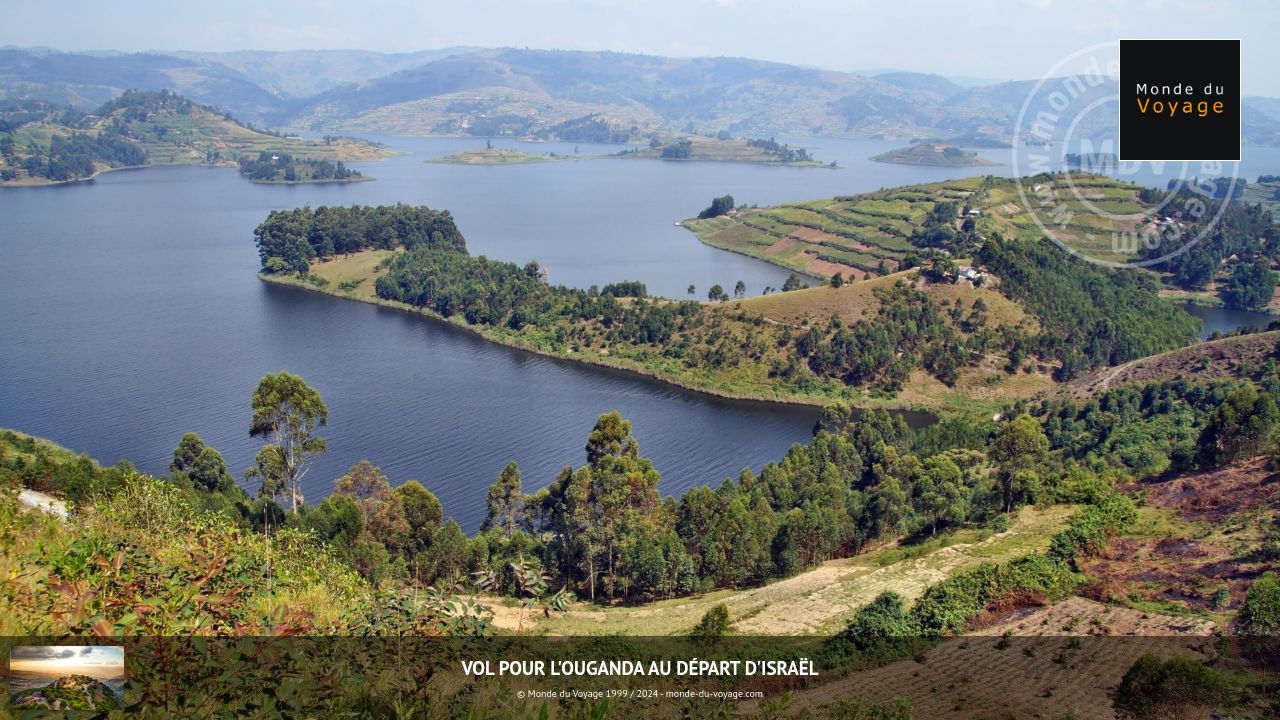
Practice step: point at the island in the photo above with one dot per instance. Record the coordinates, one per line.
(724, 148)
(717, 148)
(284, 169)
(930, 153)
(1093, 161)
(491, 155)
(43, 143)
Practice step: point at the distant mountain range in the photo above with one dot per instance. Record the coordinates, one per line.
(529, 93)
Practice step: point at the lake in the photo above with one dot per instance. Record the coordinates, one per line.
(130, 314)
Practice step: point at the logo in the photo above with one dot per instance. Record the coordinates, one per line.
(1067, 134)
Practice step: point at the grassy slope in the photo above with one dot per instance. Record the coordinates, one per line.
(818, 601)
(984, 386)
(10, 441)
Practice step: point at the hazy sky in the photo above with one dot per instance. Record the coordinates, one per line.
(998, 39)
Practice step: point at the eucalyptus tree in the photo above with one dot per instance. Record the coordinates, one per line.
(286, 412)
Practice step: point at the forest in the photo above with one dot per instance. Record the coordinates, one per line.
(1236, 248)
(1090, 316)
(288, 240)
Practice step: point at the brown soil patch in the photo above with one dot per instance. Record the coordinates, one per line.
(825, 268)
(1202, 550)
(781, 246)
(811, 235)
(1077, 616)
(1217, 494)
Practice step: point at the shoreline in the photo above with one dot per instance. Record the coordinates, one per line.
(605, 361)
(362, 178)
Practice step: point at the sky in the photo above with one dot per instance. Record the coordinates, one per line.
(993, 39)
(93, 660)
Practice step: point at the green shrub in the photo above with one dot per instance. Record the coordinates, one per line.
(1155, 689)
(1089, 529)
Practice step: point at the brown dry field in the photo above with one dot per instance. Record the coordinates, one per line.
(1040, 671)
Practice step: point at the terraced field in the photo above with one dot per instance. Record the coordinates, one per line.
(869, 234)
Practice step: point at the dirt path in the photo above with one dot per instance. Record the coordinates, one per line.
(37, 500)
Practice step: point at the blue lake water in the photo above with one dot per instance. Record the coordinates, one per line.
(130, 314)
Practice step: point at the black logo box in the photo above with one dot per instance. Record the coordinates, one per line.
(1185, 65)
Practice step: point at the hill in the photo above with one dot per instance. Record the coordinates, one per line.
(42, 143)
(1242, 356)
(856, 234)
(303, 73)
(86, 81)
(526, 93)
(930, 153)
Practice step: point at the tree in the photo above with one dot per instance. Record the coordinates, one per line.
(940, 491)
(739, 289)
(880, 625)
(1260, 613)
(287, 412)
(363, 482)
(384, 514)
(1019, 445)
(505, 501)
(888, 506)
(337, 520)
(837, 279)
(717, 293)
(693, 290)
(600, 512)
(209, 471)
(1251, 285)
(610, 436)
(1258, 621)
(422, 510)
(185, 454)
(1242, 425)
(719, 206)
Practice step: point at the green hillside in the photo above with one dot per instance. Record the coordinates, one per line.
(43, 143)
(873, 233)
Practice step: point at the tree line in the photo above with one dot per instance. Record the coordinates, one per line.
(280, 167)
(288, 240)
